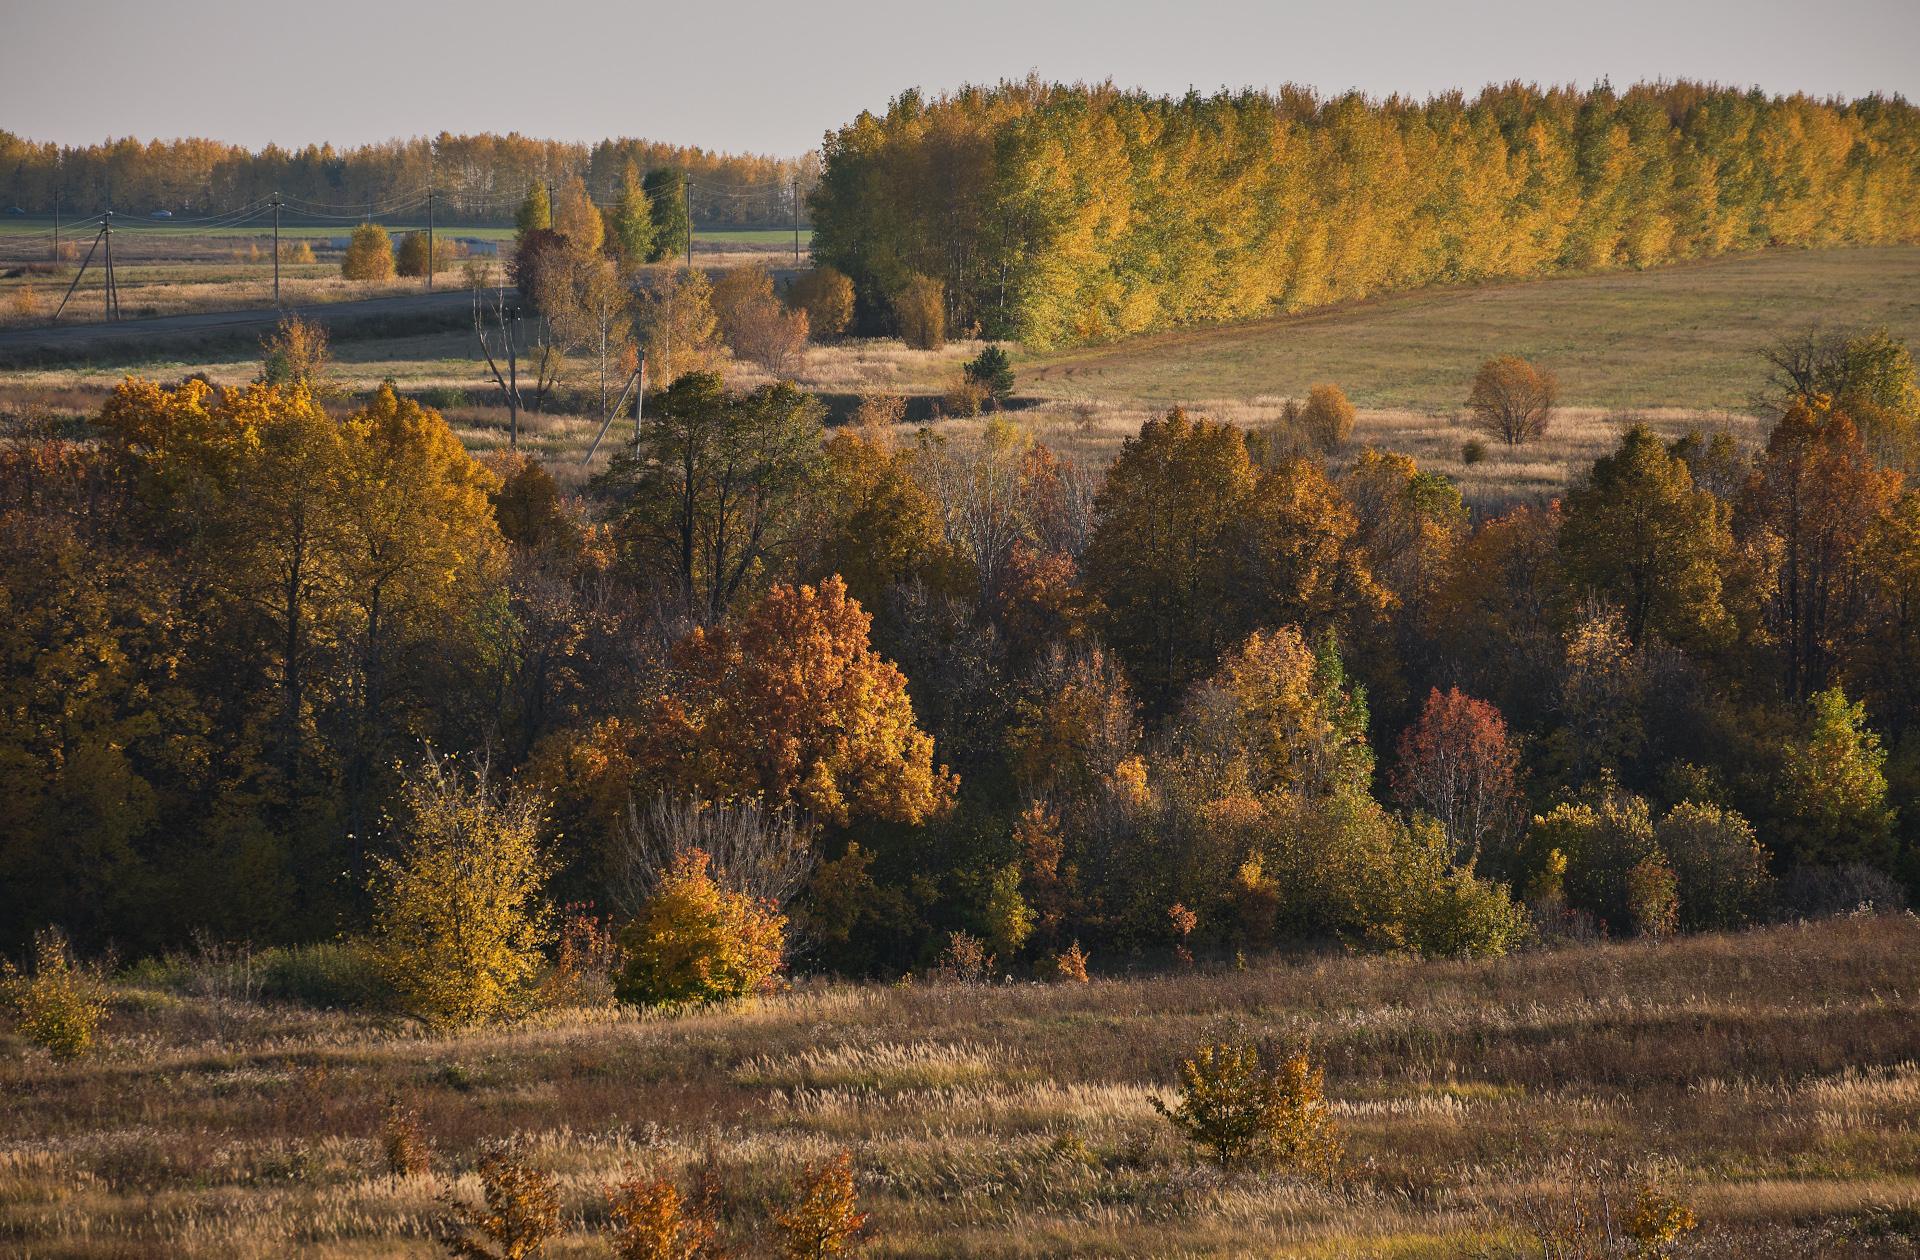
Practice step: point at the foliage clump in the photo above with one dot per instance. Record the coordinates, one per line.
(1512, 400)
(824, 1218)
(60, 1003)
(696, 942)
(519, 1215)
(652, 1220)
(1239, 1110)
(369, 254)
(459, 918)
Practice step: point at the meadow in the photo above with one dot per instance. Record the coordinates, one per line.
(1770, 1080)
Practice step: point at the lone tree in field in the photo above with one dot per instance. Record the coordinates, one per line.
(1327, 420)
(369, 254)
(1512, 400)
(920, 310)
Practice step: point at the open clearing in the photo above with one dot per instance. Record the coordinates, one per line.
(1775, 1075)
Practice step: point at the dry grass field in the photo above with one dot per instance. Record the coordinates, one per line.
(1772, 1079)
(1676, 346)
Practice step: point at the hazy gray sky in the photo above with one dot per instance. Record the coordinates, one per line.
(771, 78)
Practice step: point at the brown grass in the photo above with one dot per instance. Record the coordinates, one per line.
(1777, 1074)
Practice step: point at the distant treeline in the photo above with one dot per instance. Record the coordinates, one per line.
(479, 179)
(1057, 214)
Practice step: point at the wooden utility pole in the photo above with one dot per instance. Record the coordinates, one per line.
(429, 236)
(276, 249)
(112, 290)
(84, 264)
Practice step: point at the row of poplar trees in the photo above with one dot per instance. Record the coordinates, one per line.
(1056, 214)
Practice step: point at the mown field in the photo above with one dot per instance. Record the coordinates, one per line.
(1771, 1080)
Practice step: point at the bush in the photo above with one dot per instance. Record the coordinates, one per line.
(1653, 898)
(965, 960)
(1720, 867)
(296, 352)
(1464, 916)
(296, 252)
(1237, 1109)
(403, 1142)
(1327, 419)
(369, 254)
(824, 1219)
(1070, 965)
(920, 310)
(413, 254)
(966, 399)
(1658, 1221)
(652, 1220)
(826, 296)
(59, 1005)
(695, 942)
(992, 372)
(1473, 451)
(344, 975)
(458, 919)
(520, 1215)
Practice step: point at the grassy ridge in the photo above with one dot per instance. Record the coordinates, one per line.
(1775, 1073)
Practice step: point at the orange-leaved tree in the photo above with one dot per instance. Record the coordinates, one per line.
(1458, 764)
(792, 703)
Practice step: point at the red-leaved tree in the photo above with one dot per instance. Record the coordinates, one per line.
(1458, 764)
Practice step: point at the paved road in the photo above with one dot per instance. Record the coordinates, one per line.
(69, 342)
(78, 340)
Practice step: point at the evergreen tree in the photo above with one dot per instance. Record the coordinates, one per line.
(666, 192)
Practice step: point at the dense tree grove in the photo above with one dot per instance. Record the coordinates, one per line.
(1196, 702)
(477, 179)
(1055, 214)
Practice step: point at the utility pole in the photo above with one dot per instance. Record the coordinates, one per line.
(640, 400)
(686, 195)
(112, 292)
(796, 221)
(429, 236)
(56, 223)
(276, 249)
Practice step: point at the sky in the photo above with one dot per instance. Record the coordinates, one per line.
(749, 76)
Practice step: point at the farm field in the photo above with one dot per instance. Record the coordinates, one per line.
(1770, 1079)
(1675, 346)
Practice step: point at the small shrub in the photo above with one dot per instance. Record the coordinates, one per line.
(413, 254)
(1720, 866)
(1237, 1110)
(1473, 451)
(583, 962)
(1070, 965)
(920, 310)
(297, 251)
(965, 960)
(1009, 919)
(1653, 898)
(992, 372)
(403, 1142)
(60, 1004)
(824, 1219)
(1658, 1222)
(296, 352)
(695, 942)
(966, 399)
(369, 254)
(520, 1215)
(1182, 921)
(826, 296)
(652, 1220)
(1327, 419)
